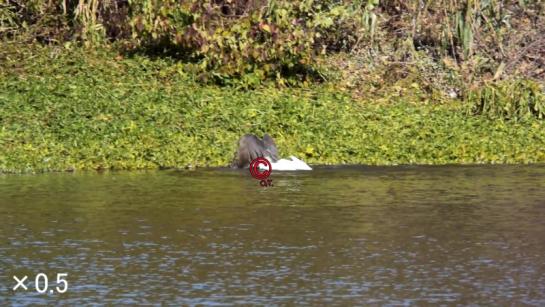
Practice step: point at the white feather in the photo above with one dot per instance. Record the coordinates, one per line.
(293, 164)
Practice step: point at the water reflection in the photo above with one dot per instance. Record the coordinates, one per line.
(335, 235)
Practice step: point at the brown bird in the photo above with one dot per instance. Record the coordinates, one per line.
(251, 147)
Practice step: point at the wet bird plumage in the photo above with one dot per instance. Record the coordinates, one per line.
(251, 147)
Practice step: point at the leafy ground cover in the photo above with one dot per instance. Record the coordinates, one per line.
(71, 108)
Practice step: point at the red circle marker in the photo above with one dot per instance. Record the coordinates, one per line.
(254, 168)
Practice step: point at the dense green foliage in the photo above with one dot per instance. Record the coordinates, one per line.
(126, 84)
(254, 40)
(72, 109)
(246, 41)
(517, 100)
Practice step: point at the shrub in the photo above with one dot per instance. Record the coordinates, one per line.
(255, 39)
(252, 40)
(59, 21)
(517, 100)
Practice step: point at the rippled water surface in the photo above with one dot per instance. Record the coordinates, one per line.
(331, 236)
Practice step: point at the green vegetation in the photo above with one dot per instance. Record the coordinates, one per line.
(134, 84)
(79, 109)
(246, 42)
(516, 100)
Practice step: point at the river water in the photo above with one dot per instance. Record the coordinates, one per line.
(335, 236)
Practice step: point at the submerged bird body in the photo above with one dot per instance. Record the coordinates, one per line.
(251, 147)
(293, 164)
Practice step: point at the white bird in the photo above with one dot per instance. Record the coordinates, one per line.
(293, 164)
(251, 147)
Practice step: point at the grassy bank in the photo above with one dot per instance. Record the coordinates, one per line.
(74, 109)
